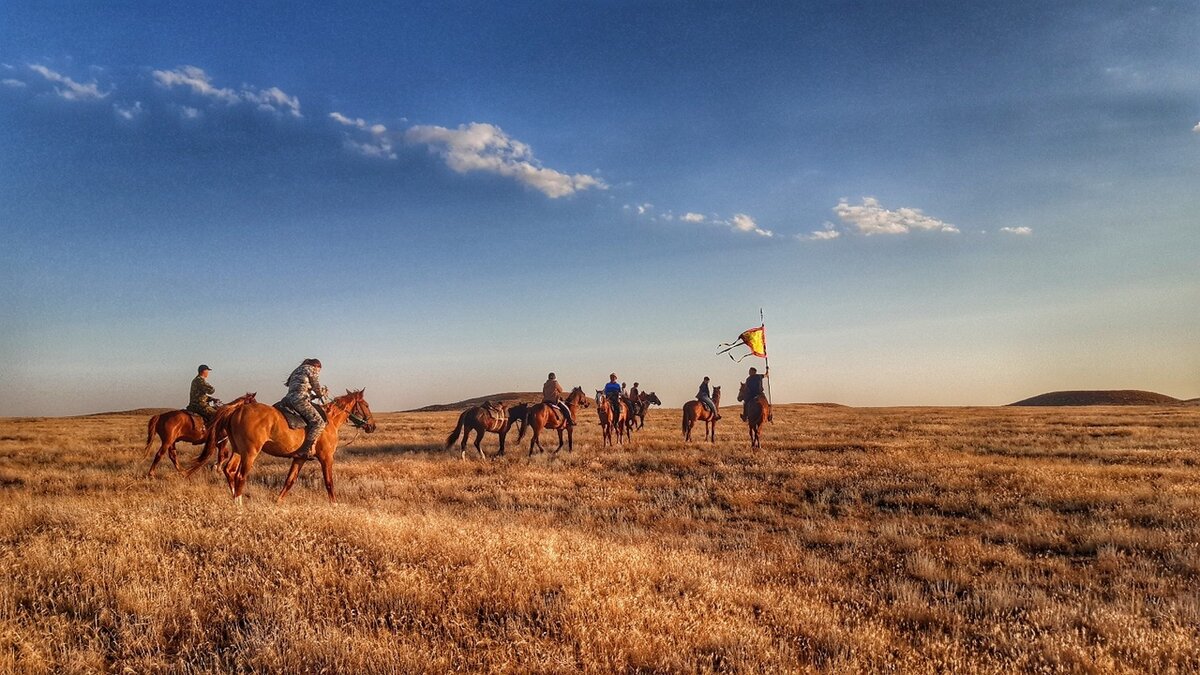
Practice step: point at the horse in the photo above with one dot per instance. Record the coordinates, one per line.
(256, 428)
(480, 419)
(641, 404)
(758, 411)
(547, 416)
(181, 425)
(695, 411)
(610, 420)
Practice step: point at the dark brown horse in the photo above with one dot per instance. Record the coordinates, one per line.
(496, 419)
(547, 416)
(611, 420)
(640, 405)
(256, 428)
(694, 411)
(758, 411)
(181, 425)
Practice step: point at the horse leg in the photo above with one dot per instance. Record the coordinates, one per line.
(560, 440)
(570, 439)
(327, 474)
(162, 449)
(478, 442)
(293, 472)
(243, 472)
(171, 452)
(503, 435)
(230, 470)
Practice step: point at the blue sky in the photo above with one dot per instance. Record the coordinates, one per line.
(934, 203)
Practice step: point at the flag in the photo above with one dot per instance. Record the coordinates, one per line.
(755, 339)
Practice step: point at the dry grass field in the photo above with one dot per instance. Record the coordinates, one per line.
(902, 539)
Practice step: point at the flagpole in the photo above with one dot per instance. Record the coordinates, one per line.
(766, 361)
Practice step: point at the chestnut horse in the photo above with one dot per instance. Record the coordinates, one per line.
(256, 428)
(611, 420)
(481, 419)
(758, 411)
(547, 416)
(694, 411)
(181, 425)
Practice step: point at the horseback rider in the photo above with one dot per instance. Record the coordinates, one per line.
(552, 393)
(303, 385)
(754, 389)
(200, 400)
(634, 394)
(704, 395)
(613, 391)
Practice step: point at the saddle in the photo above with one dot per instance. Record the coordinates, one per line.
(294, 420)
(497, 415)
(197, 419)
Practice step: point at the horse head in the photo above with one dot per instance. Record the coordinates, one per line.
(578, 397)
(360, 412)
(741, 391)
(651, 398)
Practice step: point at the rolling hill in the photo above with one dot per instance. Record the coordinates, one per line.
(1098, 397)
(510, 398)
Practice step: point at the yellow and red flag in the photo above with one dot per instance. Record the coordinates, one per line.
(755, 339)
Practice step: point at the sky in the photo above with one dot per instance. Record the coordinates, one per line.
(936, 203)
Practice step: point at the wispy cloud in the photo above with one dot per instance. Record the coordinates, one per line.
(1020, 231)
(373, 141)
(1195, 128)
(828, 232)
(15, 84)
(486, 148)
(128, 112)
(691, 217)
(272, 99)
(741, 222)
(871, 218)
(68, 88)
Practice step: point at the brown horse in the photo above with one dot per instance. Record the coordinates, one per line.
(694, 411)
(547, 416)
(256, 428)
(480, 419)
(611, 420)
(758, 411)
(181, 425)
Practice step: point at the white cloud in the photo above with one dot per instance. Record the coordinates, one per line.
(825, 234)
(128, 112)
(189, 113)
(871, 218)
(1195, 128)
(744, 223)
(272, 99)
(70, 89)
(15, 84)
(691, 217)
(1023, 231)
(485, 147)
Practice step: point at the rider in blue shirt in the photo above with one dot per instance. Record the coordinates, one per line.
(613, 391)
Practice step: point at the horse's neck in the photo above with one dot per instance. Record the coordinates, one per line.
(337, 412)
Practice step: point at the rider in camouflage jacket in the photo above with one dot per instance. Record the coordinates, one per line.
(302, 386)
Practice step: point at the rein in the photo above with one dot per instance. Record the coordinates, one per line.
(358, 422)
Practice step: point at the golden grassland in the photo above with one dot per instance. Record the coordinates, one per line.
(912, 539)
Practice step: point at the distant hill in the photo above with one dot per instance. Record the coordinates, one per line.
(1100, 397)
(137, 412)
(511, 398)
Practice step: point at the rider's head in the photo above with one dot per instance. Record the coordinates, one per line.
(203, 370)
(612, 377)
(636, 384)
(315, 363)
(706, 378)
(753, 371)
(550, 376)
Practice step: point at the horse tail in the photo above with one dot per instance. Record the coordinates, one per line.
(454, 434)
(219, 427)
(150, 427)
(527, 422)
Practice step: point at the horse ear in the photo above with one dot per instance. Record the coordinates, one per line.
(348, 392)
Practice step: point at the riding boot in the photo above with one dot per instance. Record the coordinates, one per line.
(310, 439)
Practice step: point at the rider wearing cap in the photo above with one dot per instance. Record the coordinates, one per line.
(303, 385)
(613, 391)
(704, 395)
(552, 393)
(199, 400)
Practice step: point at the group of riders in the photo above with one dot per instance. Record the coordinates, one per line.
(303, 386)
